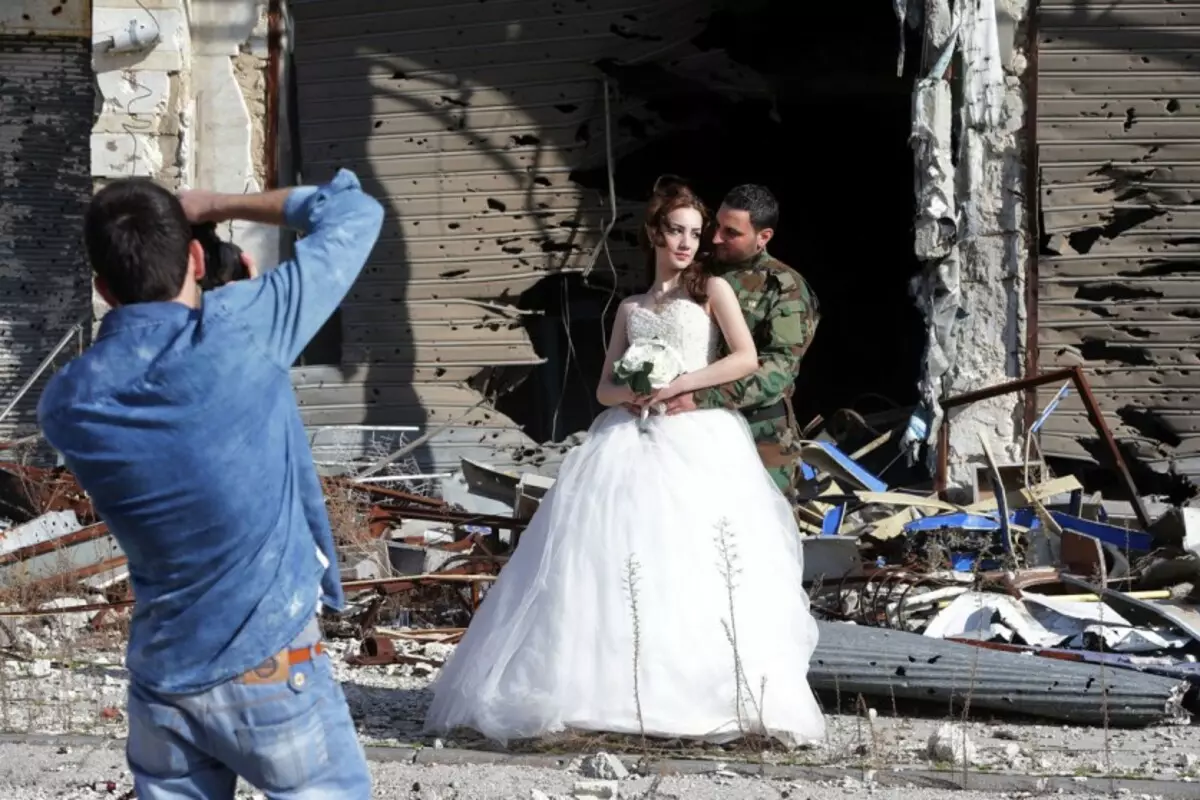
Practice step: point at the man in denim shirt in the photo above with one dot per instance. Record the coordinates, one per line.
(181, 423)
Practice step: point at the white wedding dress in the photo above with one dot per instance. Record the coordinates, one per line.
(685, 512)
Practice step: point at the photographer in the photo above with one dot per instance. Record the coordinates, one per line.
(181, 424)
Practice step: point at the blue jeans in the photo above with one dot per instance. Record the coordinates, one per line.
(293, 740)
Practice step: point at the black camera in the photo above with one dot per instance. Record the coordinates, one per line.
(222, 260)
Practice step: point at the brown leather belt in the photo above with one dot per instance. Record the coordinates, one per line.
(278, 668)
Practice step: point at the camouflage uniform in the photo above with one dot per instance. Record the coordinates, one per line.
(782, 313)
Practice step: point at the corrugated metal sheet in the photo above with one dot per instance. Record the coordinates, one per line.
(1118, 107)
(46, 106)
(854, 659)
(468, 117)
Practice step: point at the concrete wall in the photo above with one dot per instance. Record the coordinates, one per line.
(985, 341)
(190, 111)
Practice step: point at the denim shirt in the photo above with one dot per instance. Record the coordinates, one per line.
(182, 426)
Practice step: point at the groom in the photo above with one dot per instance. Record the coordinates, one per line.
(781, 310)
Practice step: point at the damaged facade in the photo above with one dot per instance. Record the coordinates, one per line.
(513, 143)
(1118, 275)
(46, 101)
(189, 109)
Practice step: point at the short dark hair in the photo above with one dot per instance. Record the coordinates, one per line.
(757, 201)
(137, 238)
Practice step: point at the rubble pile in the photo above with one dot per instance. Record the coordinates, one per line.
(1028, 597)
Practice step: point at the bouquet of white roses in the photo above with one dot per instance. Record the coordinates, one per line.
(646, 367)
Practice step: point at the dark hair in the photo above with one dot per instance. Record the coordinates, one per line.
(222, 260)
(670, 194)
(137, 238)
(757, 201)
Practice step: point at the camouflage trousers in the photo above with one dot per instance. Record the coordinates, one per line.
(779, 451)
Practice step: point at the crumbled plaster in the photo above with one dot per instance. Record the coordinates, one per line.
(140, 124)
(990, 332)
(230, 95)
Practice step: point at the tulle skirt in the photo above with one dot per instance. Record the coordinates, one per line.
(657, 591)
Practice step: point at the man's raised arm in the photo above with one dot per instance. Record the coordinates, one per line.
(289, 304)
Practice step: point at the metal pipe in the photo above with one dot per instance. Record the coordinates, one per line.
(1033, 202)
(1077, 377)
(42, 367)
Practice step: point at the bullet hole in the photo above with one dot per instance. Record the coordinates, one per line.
(454, 101)
(1131, 356)
(525, 140)
(513, 250)
(1150, 424)
(454, 226)
(1172, 106)
(566, 108)
(1130, 119)
(496, 205)
(378, 124)
(1103, 292)
(399, 76)
(541, 181)
(583, 133)
(557, 247)
(454, 273)
(625, 33)
(56, 11)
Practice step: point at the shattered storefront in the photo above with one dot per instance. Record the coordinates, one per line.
(46, 108)
(515, 141)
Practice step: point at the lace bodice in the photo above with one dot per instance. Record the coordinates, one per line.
(681, 323)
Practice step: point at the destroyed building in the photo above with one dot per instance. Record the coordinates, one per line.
(976, 193)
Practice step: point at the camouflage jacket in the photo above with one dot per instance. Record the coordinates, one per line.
(782, 313)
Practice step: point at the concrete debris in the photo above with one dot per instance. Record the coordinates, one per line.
(603, 766)
(950, 744)
(595, 790)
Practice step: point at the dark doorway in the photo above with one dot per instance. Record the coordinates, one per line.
(833, 146)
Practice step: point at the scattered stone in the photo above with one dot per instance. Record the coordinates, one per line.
(438, 744)
(1005, 735)
(1188, 760)
(950, 743)
(1012, 751)
(538, 794)
(603, 766)
(595, 790)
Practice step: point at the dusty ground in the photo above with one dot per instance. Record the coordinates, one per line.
(89, 772)
(83, 693)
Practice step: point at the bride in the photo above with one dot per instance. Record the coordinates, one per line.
(657, 590)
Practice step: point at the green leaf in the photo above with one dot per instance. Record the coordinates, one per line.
(637, 379)
(640, 383)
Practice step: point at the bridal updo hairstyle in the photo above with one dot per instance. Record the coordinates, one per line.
(672, 193)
